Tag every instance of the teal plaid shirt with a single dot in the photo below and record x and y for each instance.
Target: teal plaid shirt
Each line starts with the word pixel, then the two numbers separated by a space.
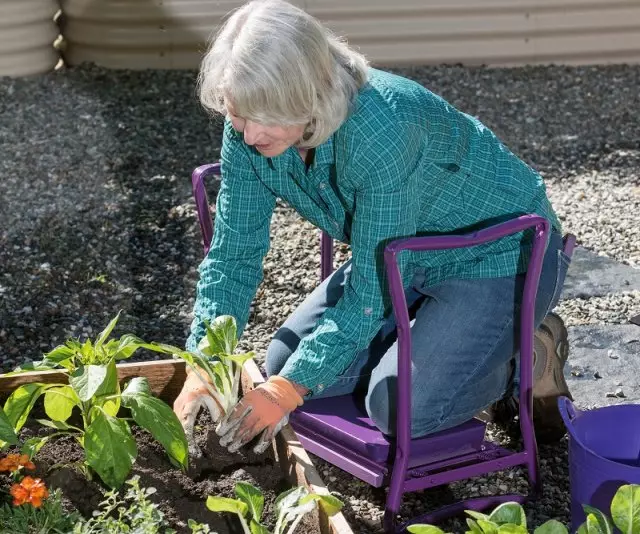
pixel 404 163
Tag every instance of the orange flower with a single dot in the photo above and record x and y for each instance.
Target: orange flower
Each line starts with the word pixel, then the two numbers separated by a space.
pixel 29 490
pixel 13 462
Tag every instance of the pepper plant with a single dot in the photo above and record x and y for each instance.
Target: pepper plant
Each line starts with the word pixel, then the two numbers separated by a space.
pixel 290 507
pixel 93 390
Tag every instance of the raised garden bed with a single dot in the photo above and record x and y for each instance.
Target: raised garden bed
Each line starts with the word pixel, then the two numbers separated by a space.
pixel 182 495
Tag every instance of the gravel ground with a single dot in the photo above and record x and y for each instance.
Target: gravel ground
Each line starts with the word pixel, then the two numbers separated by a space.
pixel 96 215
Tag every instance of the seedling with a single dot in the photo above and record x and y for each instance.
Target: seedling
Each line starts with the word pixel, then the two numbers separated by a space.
pixel 290 507
pixel 217 367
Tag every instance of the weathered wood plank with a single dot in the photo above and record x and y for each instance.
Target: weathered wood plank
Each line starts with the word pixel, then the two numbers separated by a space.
pixel 166 377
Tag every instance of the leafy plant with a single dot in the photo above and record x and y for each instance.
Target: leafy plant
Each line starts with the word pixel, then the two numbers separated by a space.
pixel 93 389
pixel 625 513
pixel 290 507
pixel 507 518
pixel 216 358
pixel 49 518
pixel 132 513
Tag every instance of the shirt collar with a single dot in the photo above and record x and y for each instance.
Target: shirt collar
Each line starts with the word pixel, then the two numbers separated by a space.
pixel 324 153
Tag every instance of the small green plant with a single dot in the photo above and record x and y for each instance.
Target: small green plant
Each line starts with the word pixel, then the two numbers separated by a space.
pixel 290 507
pixel 93 389
pixel 133 513
pixel 217 359
pixel 507 518
pixel 625 513
pixel 49 518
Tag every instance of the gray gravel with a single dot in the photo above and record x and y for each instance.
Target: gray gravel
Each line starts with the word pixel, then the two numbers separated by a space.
pixel 96 215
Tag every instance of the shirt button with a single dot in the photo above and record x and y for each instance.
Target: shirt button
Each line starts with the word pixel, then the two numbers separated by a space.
pixel 322 185
pixel 368 311
pixel 320 387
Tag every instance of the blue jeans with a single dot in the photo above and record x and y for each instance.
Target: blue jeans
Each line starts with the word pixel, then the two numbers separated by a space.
pixel 465 345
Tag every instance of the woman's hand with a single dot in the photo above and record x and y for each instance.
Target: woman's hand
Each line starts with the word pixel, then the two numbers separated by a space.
pixel 194 396
pixel 264 409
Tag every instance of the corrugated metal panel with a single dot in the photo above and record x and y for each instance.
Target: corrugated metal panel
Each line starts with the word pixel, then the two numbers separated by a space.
pixel 173 33
pixel 27 34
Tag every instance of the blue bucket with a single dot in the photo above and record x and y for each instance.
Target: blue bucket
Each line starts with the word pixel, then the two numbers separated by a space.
pixel 604 454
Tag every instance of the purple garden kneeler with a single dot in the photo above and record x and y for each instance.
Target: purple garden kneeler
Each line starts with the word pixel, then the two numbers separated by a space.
pixel 339 431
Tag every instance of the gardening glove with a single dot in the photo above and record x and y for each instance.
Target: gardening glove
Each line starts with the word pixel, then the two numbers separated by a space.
pixel 194 396
pixel 264 409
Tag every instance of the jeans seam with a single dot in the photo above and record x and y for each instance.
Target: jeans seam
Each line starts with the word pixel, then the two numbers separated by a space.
pixel 508 323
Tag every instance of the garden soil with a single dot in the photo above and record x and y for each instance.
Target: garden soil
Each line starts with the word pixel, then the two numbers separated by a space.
pixel 180 495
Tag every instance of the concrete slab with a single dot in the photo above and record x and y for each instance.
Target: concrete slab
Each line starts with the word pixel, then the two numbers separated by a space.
pixel 591 275
pixel 610 352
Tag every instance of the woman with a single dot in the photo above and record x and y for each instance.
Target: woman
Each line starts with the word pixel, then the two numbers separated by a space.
pixel 368 157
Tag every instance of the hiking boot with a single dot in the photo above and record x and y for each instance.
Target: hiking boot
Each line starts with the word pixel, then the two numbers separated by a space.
pixel 550 353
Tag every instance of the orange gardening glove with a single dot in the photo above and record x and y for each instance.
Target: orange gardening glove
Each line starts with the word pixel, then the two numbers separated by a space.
pixel 195 396
pixel 264 409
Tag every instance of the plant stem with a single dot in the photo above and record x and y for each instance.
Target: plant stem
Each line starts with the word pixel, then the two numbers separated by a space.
pixel 294 524
pixel 245 526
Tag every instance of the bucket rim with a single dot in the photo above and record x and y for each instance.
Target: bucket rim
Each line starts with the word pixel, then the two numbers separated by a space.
pixel 570 415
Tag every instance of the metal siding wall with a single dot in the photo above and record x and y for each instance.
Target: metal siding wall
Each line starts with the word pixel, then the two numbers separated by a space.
pixel 173 33
pixel 27 34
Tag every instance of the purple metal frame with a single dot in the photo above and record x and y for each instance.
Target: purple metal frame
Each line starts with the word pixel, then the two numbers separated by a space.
pixel 416 464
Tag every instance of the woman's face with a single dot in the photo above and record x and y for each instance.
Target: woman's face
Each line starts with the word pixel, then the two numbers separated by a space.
pixel 270 141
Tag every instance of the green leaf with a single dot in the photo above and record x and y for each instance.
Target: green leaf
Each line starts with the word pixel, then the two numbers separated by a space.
pixel 552 526
pixel 88 354
pixel 424 529
pixel 258 528
pixel 221 336
pixel 606 526
pixel 28 367
pixel 127 346
pixel 58 425
pixel 288 499
pixel 21 401
pixel 477 515
pixel 330 504
pixel 7 433
pixel 474 527
pixel 109 388
pixel 488 527
pixel 590 526
pixel 87 379
pixel 224 504
pixel 253 497
pixel 509 512
pixel 510 528
pixel 59 354
pixel 59 402
pixel 221 378
pixel 110 449
pixel 102 337
pixel 238 358
pixel 155 416
pixel 139 384
pixel 625 508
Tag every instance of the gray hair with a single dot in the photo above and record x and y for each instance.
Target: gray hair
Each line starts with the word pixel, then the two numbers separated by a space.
pixel 276 64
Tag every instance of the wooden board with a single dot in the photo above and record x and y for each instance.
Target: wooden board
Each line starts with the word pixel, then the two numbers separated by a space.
pixel 166 378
